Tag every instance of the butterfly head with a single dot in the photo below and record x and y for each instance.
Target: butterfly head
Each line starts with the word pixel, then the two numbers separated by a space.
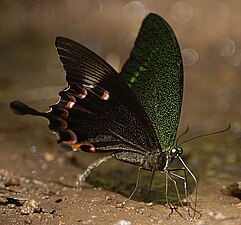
pixel 175 152
pixel 171 153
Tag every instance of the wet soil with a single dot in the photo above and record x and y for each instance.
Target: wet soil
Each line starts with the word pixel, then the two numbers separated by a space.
pixel 38 187
pixel 37 179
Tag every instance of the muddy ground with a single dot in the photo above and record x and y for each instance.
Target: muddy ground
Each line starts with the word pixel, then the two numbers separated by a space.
pixel 37 187
pixel 37 179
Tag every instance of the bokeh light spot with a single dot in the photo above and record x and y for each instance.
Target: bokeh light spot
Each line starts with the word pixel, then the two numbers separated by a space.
pixel 182 12
pixel 79 8
pixel 219 12
pixel 190 56
pixel 222 105
pixel 226 47
pixel 135 11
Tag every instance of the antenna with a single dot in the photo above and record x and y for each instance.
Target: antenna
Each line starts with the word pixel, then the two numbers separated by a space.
pixel 181 136
pixel 204 135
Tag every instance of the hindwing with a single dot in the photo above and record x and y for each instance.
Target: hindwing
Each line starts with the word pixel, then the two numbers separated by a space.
pixel 97 111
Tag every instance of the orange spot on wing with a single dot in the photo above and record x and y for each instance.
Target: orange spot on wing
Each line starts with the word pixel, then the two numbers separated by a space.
pixel 83 93
pixel 73 138
pixel 79 146
pixel 75 147
pixel 106 95
pixel 100 92
pixel 65 112
pixel 72 101
pixel 63 124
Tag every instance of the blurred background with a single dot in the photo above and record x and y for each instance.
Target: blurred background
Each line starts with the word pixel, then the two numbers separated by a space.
pixel 209 34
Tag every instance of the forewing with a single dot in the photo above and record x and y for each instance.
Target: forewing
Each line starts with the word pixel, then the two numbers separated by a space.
pixel 154 71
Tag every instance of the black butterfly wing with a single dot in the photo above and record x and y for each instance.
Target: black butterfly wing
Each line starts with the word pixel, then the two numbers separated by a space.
pixel 81 64
pixel 97 112
pixel 92 119
pixel 107 114
pixel 85 67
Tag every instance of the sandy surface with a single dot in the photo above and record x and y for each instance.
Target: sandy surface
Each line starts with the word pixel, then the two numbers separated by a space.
pixel 37 179
pixel 39 189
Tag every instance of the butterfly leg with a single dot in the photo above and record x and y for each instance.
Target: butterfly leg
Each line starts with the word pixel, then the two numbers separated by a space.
pixel 187 170
pixel 89 169
pixel 190 211
pixel 173 207
pixel 187 211
pixel 149 188
pixel 137 184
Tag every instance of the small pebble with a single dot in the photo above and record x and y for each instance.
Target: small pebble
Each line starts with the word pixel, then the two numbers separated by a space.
pixel 217 216
pixel 232 190
pixel 123 222
pixel 120 205
pixel 28 221
pixel 30 207
pixel 149 204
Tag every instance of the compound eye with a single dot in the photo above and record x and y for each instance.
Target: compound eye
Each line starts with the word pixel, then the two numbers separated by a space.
pixel 174 152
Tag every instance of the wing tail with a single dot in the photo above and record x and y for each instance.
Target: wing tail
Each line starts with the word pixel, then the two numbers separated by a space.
pixel 20 108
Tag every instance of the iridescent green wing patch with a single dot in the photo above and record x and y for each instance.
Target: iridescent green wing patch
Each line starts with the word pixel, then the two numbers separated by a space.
pixel 154 71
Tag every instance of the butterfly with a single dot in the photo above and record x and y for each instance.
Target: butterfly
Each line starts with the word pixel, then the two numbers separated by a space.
pixel 134 114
